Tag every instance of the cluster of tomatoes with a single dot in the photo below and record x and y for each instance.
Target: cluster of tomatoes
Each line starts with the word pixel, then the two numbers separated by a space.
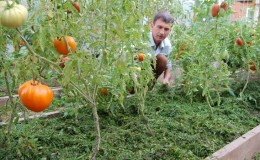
pixel 215 9
pixel 34 95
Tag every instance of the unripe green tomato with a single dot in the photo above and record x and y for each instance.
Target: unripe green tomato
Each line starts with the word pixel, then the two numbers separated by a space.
pixel 13 15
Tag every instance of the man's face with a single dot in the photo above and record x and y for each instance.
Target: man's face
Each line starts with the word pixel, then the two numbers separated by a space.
pixel 160 30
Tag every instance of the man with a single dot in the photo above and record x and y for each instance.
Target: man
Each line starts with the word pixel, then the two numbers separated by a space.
pixel 160 44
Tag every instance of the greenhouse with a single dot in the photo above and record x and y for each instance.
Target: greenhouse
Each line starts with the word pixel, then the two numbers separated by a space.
pixel 130 79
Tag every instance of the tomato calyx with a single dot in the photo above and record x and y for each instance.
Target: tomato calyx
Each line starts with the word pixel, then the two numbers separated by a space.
pixel 59 38
pixel 35 82
pixel 9 5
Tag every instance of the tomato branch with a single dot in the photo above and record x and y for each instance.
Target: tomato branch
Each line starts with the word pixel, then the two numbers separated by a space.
pixel 81 92
pixel 35 54
pixel 98 136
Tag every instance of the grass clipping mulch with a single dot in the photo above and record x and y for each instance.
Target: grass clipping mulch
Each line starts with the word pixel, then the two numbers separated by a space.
pixel 182 130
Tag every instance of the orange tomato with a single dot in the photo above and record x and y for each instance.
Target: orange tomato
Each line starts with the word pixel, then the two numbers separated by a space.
pixel 21 43
pixel 35 96
pixel 140 57
pixel 103 91
pixel 214 10
pixel 61 47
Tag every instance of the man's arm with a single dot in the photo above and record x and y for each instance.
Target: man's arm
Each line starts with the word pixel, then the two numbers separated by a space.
pixel 167 75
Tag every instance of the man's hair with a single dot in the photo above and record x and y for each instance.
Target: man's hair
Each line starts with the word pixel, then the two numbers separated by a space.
pixel 165 16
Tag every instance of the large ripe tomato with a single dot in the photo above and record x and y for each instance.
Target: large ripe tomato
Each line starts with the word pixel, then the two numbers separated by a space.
pixel 35 96
pixel 214 10
pixel 12 15
pixel 61 47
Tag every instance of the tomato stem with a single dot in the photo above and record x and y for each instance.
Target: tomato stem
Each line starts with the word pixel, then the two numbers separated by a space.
pixel 98 136
pixel 13 104
pixel 67 45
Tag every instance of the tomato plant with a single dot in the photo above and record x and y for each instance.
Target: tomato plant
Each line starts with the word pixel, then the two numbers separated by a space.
pixel 35 96
pixel 106 51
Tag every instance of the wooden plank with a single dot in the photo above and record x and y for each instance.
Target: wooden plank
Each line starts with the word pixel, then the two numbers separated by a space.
pixel 244 147
pixel 41 115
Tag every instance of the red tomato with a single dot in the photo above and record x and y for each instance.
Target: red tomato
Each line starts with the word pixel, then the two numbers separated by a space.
pixel 253 68
pixel 239 42
pixel 103 91
pixel 224 5
pixel 214 10
pixel 76 5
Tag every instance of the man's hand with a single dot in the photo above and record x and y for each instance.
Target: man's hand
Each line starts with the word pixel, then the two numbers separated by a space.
pixel 167 75
pixel 166 81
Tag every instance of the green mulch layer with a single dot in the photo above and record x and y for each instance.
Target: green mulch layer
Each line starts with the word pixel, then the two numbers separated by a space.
pixel 181 129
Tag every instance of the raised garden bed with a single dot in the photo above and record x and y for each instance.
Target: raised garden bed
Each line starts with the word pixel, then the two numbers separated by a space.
pixel 182 130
